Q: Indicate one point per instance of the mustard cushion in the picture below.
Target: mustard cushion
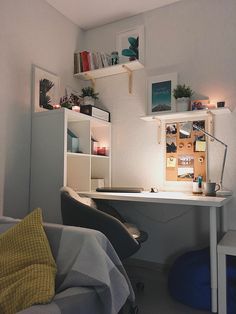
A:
(27, 267)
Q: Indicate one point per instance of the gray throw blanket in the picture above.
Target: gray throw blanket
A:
(90, 277)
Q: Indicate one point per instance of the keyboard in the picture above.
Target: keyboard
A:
(120, 189)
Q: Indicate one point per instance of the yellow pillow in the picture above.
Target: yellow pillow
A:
(27, 267)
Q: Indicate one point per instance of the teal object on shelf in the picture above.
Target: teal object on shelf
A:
(72, 142)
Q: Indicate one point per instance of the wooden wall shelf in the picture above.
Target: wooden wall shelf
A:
(186, 114)
(207, 114)
(128, 67)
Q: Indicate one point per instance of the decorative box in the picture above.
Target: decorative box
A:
(95, 112)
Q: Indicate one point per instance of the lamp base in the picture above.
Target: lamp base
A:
(224, 193)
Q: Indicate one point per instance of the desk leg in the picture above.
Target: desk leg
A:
(224, 219)
(222, 288)
(213, 258)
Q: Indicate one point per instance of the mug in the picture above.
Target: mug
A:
(211, 188)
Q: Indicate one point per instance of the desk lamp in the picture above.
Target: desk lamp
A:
(186, 129)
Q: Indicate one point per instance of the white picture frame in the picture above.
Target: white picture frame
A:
(123, 43)
(160, 93)
(40, 95)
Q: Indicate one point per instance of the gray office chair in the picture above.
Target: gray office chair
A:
(84, 212)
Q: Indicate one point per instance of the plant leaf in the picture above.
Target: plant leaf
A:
(128, 53)
(133, 41)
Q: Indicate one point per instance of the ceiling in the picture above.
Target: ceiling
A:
(89, 14)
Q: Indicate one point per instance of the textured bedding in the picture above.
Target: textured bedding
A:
(90, 277)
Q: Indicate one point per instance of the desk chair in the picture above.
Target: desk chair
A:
(84, 212)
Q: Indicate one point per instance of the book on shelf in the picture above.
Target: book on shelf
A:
(104, 60)
(99, 59)
(86, 61)
(77, 68)
(77, 63)
(95, 60)
(91, 61)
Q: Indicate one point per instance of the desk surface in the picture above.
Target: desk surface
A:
(162, 197)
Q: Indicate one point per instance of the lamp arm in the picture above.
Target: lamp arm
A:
(223, 167)
(225, 152)
(208, 134)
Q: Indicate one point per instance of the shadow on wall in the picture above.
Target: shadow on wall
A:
(17, 165)
(172, 229)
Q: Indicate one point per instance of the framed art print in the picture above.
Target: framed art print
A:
(45, 89)
(199, 104)
(130, 45)
(160, 96)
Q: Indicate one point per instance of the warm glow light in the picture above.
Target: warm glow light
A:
(214, 102)
(102, 151)
(76, 108)
(56, 106)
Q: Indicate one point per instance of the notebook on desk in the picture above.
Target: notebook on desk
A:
(120, 189)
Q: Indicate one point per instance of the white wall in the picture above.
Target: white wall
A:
(31, 32)
(195, 38)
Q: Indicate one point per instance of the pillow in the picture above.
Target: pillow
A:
(27, 267)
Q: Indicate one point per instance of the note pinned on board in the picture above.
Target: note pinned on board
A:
(200, 146)
(171, 162)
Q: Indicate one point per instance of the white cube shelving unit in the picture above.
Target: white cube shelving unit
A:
(53, 167)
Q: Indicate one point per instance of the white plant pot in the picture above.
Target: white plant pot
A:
(88, 100)
(183, 104)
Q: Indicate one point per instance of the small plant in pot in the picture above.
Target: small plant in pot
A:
(89, 96)
(182, 94)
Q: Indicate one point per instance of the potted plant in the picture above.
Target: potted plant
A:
(182, 94)
(89, 96)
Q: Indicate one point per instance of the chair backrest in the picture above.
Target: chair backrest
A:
(76, 213)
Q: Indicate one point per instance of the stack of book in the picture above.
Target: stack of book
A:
(87, 61)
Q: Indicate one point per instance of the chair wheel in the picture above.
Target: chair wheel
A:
(140, 286)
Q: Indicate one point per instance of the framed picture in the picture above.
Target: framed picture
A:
(45, 89)
(130, 45)
(160, 96)
(199, 104)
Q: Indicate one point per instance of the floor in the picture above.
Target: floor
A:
(154, 299)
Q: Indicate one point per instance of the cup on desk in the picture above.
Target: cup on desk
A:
(197, 188)
(210, 188)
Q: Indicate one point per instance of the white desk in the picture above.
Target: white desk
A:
(179, 198)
